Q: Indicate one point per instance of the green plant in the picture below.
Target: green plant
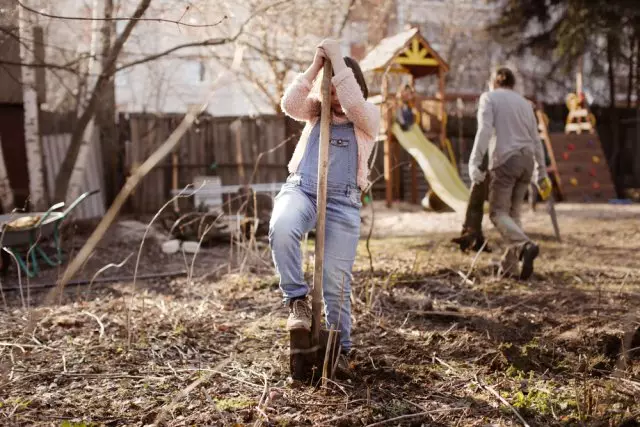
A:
(233, 403)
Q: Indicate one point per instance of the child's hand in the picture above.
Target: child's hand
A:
(332, 49)
(318, 59)
(315, 67)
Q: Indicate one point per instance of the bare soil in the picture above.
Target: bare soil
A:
(441, 340)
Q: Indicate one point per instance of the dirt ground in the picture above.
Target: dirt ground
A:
(441, 340)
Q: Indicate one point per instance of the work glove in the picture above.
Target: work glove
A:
(318, 59)
(477, 176)
(544, 187)
(332, 49)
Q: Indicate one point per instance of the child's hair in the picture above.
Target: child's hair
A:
(504, 77)
(357, 72)
(404, 89)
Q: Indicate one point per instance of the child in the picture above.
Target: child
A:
(354, 127)
(513, 158)
(405, 116)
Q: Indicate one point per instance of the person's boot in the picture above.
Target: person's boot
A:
(466, 239)
(528, 255)
(344, 369)
(299, 315)
(480, 242)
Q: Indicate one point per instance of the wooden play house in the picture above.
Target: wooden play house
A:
(407, 54)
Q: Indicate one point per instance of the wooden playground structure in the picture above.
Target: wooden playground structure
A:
(407, 54)
(576, 160)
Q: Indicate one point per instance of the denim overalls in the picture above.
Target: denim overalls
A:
(295, 214)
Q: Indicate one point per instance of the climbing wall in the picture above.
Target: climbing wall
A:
(582, 167)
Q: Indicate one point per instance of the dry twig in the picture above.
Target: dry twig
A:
(185, 392)
(488, 388)
(97, 320)
(416, 415)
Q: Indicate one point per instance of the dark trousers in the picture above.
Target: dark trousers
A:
(475, 207)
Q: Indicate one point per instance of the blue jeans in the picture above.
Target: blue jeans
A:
(294, 215)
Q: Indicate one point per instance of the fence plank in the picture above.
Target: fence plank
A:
(211, 141)
(55, 148)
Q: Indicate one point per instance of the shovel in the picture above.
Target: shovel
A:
(313, 352)
(554, 219)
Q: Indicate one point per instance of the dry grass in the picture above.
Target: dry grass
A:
(432, 349)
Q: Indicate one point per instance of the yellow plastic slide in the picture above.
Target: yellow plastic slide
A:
(440, 173)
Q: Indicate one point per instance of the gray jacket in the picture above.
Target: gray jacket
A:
(512, 118)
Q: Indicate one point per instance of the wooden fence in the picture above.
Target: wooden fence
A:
(226, 147)
(55, 147)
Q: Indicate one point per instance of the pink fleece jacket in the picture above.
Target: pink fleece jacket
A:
(365, 116)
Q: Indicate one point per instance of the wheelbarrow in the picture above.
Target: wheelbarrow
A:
(22, 235)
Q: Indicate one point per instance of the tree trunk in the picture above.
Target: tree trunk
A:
(631, 71)
(6, 192)
(613, 114)
(95, 94)
(31, 110)
(88, 138)
(106, 116)
(636, 163)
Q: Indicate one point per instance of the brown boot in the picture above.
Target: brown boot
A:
(299, 315)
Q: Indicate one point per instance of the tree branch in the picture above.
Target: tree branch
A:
(82, 18)
(249, 75)
(346, 18)
(66, 168)
(39, 64)
(110, 69)
(275, 57)
(203, 43)
(65, 67)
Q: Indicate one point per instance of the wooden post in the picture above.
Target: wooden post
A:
(579, 76)
(544, 133)
(236, 128)
(323, 166)
(462, 147)
(388, 176)
(443, 124)
(414, 181)
(174, 177)
(397, 177)
(388, 117)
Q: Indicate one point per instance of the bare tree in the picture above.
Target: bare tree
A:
(6, 192)
(83, 90)
(31, 109)
(282, 42)
(77, 175)
(66, 169)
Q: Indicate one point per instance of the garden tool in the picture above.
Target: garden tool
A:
(308, 350)
(545, 189)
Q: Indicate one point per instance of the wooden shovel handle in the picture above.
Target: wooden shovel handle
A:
(323, 170)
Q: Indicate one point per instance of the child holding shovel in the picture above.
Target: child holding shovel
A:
(354, 127)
